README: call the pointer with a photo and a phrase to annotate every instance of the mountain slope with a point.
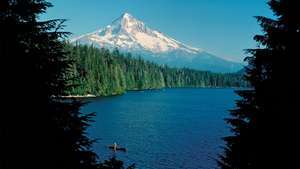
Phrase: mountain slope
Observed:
(129, 34)
(103, 73)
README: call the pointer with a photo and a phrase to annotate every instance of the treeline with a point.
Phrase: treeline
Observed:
(103, 72)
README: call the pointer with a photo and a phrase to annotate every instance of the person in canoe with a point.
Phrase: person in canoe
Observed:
(115, 147)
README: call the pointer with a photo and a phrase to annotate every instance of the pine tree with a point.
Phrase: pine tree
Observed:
(264, 122)
(39, 129)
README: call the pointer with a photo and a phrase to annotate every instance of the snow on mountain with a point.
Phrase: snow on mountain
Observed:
(131, 35)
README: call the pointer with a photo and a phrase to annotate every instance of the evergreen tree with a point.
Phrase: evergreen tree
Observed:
(109, 73)
(113, 163)
(39, 129)
(264, 122)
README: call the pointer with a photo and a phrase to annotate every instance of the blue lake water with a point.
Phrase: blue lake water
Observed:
(162, 129)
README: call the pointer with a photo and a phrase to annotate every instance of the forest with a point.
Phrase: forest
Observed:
(102, 72)
(42, 131)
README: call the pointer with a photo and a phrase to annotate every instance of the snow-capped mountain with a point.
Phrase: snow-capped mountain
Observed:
(129, 34)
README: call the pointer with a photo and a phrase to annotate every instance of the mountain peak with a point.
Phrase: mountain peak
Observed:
(131, 35)
(127, 23)
(128, 33)
(126, 15)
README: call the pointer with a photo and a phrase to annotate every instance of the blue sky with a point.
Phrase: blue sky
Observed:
(222, 27)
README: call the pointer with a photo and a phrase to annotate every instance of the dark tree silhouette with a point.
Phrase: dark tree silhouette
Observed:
(113, 163)
(41, 130)
(264, 122)
(38, 128)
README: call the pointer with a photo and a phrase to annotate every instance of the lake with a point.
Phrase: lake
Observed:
(163, 129)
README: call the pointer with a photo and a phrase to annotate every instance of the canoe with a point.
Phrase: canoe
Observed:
(118, 148)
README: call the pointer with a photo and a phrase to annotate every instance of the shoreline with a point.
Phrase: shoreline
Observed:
(79, 96)
(141, 90)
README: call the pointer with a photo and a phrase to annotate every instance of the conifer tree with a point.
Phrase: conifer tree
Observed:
(39, 129)
(102, 72)
(264, 122)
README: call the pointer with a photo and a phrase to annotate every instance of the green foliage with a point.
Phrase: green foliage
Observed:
(102, 72)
